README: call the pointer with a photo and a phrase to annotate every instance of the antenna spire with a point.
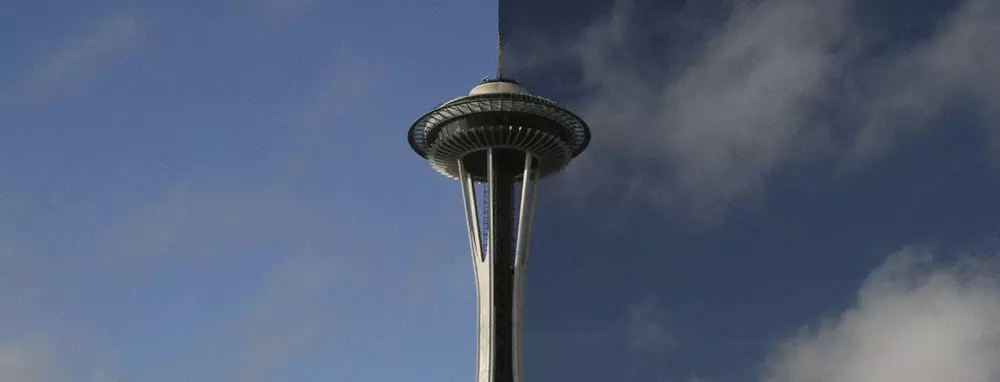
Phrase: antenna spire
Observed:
(499, 58)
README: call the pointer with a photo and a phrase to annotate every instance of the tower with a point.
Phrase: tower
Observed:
(499, 141)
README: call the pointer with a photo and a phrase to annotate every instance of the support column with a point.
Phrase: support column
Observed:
(501, 253)
(500, 270)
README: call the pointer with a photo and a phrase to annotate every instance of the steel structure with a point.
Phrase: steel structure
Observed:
(493, 140)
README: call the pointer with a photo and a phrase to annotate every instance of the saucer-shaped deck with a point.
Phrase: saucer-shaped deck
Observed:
(501, 115)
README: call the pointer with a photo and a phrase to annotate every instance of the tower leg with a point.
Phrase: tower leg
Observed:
(500, 270)
(525, 218)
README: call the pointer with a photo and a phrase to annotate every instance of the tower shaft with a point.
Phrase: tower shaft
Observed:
(500, 266)
(498, 137)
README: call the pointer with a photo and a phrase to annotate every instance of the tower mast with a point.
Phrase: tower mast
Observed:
(499, 57)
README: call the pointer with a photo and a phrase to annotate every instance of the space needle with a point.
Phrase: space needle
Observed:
(498, 142)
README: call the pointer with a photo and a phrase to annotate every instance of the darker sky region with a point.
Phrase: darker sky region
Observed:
(659, 296)
(672, 28)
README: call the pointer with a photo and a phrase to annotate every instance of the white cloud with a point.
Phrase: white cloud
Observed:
(345, 86)
(36, 344)
(48, 357)
(78, 55)
(733, 116)
(742, 110)
(960, 63)
(771, 87)
(913, 322)
(281, 8)
(24, 361)
(283, 318)
(196, 220)
(647, 329)
(648, 338)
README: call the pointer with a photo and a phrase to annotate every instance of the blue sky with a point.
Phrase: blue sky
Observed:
(777, 190)
(223, 191)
